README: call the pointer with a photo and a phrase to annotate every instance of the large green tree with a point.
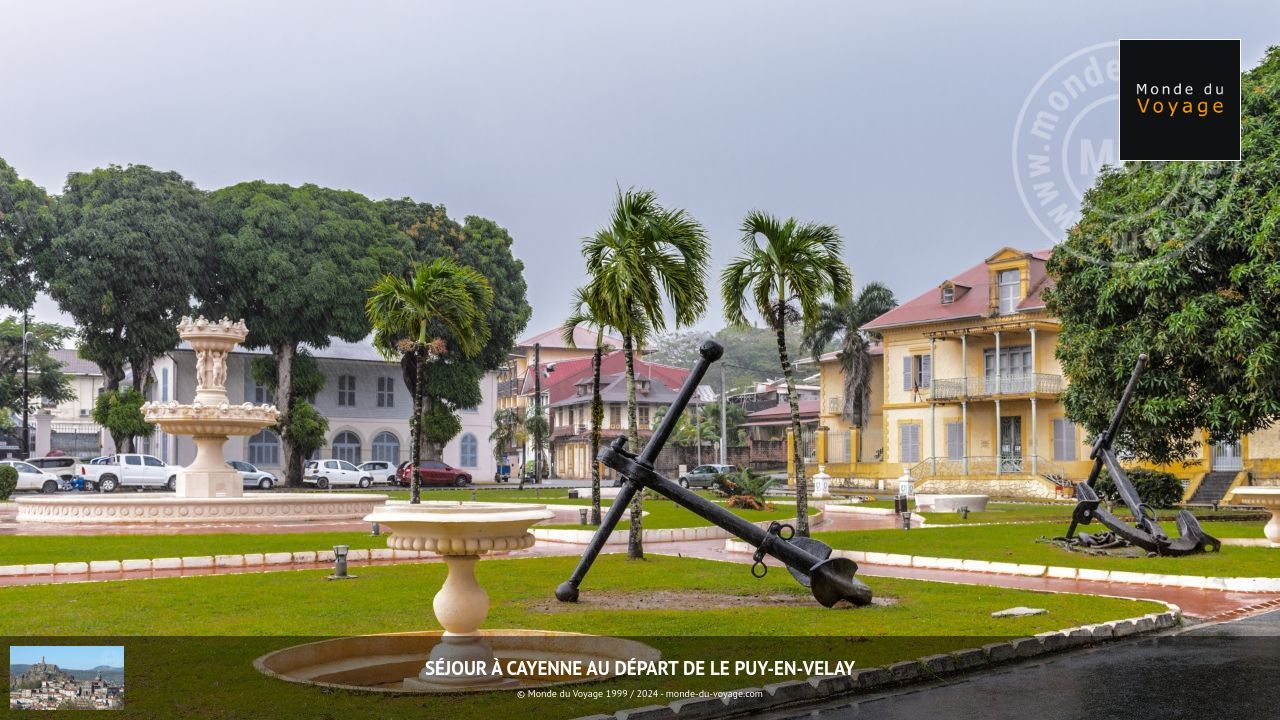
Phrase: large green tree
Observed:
(45, 378)
(843, 321)
(646, 258)
(1180, 261)
(295, 264)
(404, 311)
(26, 224)
(785, 271)
(485, 247)
(307, 427)
(131, 245)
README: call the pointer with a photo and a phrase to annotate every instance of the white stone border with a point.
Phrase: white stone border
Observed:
(757, 700)
(690, 534)
(205, 562)
(1233, 584)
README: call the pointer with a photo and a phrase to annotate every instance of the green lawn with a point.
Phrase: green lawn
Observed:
(1018, 543)
(663, 514)
(30, 549)
(172, 675)
(1009, 512)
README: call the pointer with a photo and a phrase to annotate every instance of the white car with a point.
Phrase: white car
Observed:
(252, 476)
(381, 470)
(326, 473)
(130, 470)
(31, 477)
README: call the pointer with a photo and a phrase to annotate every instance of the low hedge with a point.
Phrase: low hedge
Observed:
(8, 481)
(1156, 488)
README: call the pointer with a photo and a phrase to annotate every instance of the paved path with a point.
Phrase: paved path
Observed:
(1212, 671)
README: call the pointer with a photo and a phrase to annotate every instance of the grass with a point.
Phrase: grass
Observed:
(172, 675)
(31, 549)
(1018, 543)
(1011, 512)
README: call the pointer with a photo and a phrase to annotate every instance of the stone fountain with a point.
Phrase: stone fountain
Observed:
(208, 491)
(462, 658)
(1265, 497)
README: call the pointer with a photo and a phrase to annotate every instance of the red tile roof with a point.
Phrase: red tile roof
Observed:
(559, 383)
(584, 338)
(971, 303)
(782, 411)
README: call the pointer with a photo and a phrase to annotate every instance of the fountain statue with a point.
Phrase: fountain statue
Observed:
(208, 490)
(210, 419)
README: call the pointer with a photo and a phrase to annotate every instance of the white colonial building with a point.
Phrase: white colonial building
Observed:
(364, 399)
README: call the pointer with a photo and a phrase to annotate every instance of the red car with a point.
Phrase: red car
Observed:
(434, 472)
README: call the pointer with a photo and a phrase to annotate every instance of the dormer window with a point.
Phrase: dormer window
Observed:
(1009, 290)
(948, 294)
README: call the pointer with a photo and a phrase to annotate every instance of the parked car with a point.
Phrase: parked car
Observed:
(703, 476)
(63, 466)
(435, 472)
(325, 473)
(31, 477)
(252, 476)
(381, 470)
(131, 470)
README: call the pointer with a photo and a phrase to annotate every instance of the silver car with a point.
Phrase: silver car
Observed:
(704, 475)
(381, 470)
(252, 476)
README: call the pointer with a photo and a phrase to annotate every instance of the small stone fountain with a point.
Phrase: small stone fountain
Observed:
(1265, 497)
(462, 658)
(208, 491)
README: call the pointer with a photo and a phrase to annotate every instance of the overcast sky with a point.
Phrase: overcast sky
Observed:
(892, 120)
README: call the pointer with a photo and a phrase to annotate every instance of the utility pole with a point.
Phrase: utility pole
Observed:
(537, 409)
(724, 436)
(26, 390)
(697, 428)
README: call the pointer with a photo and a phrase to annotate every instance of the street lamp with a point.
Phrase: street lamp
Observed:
(27, 337)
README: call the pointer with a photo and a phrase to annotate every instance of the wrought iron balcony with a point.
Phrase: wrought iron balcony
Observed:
(1020, 385)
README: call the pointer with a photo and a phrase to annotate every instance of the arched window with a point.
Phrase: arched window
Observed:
(264, 448)
(468, 451)
(386, 446)
(346, 446)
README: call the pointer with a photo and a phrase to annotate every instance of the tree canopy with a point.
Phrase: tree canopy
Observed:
(44, 373)
(1180, 261)
(26, 224)
(131, 245)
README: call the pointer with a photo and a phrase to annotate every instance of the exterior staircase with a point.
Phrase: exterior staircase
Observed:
(1213, 487)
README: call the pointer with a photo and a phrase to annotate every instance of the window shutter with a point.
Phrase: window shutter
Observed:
(906, 372)
(926, 371)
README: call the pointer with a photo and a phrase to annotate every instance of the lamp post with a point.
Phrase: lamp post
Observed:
(26, 389)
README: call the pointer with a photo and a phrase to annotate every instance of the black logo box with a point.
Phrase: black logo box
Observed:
(1160, 77)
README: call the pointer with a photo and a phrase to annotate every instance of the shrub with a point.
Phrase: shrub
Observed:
(8, 481)
(744, 490)
(1156, 488)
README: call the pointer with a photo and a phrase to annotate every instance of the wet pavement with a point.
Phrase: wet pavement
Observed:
(1210, 672)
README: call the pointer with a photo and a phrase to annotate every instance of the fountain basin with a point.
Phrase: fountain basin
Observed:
(167, 508)
(381, 663)
(1266, 497)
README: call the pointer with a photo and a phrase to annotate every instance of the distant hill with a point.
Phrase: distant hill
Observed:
(115, 674)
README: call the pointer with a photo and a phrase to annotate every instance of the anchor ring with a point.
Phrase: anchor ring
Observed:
(764, 570)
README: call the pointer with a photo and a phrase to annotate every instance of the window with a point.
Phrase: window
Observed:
(386, 392)
(152, 461)
(344, 465)
(260, 394)
(615, 416)
(467, 456)
(347, 390)
(386, 447)
(1064, 439)
(909, 443)
(164, 384)
(346, 446)
(1009, 290)
(955, 441)
(948, 294)
(917, 371)
(132, 460)
(642, 416)
(264, 448)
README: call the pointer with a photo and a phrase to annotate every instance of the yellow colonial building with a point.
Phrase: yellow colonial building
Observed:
(965, 398)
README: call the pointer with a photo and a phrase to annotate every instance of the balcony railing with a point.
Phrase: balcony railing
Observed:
(1006, 385)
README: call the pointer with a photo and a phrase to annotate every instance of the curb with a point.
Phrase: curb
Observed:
(204, 562)
(619, 537)
(753, 701)
(1232, 584)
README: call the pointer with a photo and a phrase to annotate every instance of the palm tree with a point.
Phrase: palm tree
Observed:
(786, 277)
(645, 258)
(407, 313)
(844, 320)
(586, 311)
(504, 433)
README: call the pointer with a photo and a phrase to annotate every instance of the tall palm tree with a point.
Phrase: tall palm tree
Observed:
(586, 311)
(646, 258)
(845, 320)
(786, 269)
(406, 313)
